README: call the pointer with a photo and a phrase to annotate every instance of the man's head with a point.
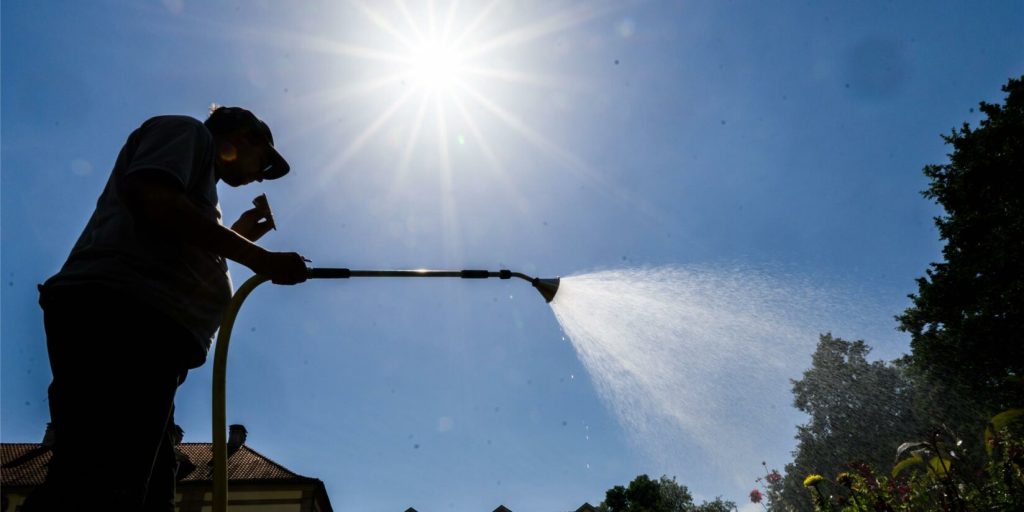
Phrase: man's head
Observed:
(245, 147)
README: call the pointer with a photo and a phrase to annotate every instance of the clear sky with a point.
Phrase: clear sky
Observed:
(550, 137)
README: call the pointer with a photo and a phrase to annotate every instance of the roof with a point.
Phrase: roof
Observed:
(244, 464)
(24, 464)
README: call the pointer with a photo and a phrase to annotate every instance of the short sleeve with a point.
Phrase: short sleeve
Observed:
(170, 143)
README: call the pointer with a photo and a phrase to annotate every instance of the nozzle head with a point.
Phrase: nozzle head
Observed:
(547, 287)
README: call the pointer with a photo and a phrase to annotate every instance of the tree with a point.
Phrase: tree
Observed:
(662, 495)
(967, 318)
(859, 411)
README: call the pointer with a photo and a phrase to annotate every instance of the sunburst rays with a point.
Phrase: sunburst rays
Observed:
(441, 63)
(437, 30)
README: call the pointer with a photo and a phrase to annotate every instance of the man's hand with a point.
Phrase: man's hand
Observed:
(160, 204)
(254, 223)
(280, 267)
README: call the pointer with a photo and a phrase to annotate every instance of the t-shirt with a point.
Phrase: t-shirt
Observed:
(188, 284)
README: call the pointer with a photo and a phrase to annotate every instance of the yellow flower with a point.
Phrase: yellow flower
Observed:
(812, 480)
(844, 479)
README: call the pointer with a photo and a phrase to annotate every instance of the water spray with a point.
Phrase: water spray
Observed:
(547, 288)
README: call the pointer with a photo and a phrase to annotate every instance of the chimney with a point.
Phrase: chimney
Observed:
(50, 436)
(236, 438)
(177, 434)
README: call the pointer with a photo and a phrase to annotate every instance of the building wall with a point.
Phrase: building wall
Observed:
(247, 499)
(200, 498)
(12, 500)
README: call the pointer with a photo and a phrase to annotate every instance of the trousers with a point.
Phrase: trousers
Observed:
(116, 370)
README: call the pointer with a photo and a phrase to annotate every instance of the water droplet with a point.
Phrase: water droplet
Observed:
(445, 424)
(81, 167)
(416, 446)
(564, 423)
(588, 466)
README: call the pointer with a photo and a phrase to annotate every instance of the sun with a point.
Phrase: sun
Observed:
(442, 73)
(437, 66)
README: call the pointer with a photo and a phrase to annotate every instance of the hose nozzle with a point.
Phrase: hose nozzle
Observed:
(547, 287)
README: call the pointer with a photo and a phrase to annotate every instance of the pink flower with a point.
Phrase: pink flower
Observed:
(774, 477)
(755, 496)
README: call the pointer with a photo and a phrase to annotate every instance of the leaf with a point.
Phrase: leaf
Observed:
(1004, 418)
(940, 465)
(912, 445)
(997, 423)
(914, 459)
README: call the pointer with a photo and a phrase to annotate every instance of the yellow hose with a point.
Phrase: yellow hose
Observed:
(547, 288)
(220, 427)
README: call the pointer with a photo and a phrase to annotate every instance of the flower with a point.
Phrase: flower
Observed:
(774, 477)
(755, 496)
(812, 480)
(844, 479)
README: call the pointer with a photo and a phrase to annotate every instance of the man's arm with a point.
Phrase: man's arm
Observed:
(157, 199)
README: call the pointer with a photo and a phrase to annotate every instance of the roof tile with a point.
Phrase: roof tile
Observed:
(24, 464)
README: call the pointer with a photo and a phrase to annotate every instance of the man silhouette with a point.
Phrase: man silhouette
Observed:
(137, 302)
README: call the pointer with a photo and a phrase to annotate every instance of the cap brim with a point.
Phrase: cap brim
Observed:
(278, 165)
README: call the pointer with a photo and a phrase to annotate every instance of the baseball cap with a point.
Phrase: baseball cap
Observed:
(235, 119)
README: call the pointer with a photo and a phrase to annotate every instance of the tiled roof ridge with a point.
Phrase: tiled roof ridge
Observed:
(275, 463)
(254, 452)
(35, 450)
(32, 457)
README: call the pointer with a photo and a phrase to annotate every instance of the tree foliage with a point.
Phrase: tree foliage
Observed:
(859, 411)
(967, 318)
(662, 495)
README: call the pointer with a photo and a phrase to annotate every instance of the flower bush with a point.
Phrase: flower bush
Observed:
(772, 485)
(928, 476)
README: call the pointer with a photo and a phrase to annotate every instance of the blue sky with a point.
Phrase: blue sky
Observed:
(769, 135)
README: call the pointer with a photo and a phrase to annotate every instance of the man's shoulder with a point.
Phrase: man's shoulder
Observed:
(165, 128)
(175, 121)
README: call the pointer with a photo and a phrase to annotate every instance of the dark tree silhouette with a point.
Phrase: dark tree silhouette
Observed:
(662, 495)
(967, 319)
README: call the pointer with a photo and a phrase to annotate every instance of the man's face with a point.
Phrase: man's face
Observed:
(241, 159)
